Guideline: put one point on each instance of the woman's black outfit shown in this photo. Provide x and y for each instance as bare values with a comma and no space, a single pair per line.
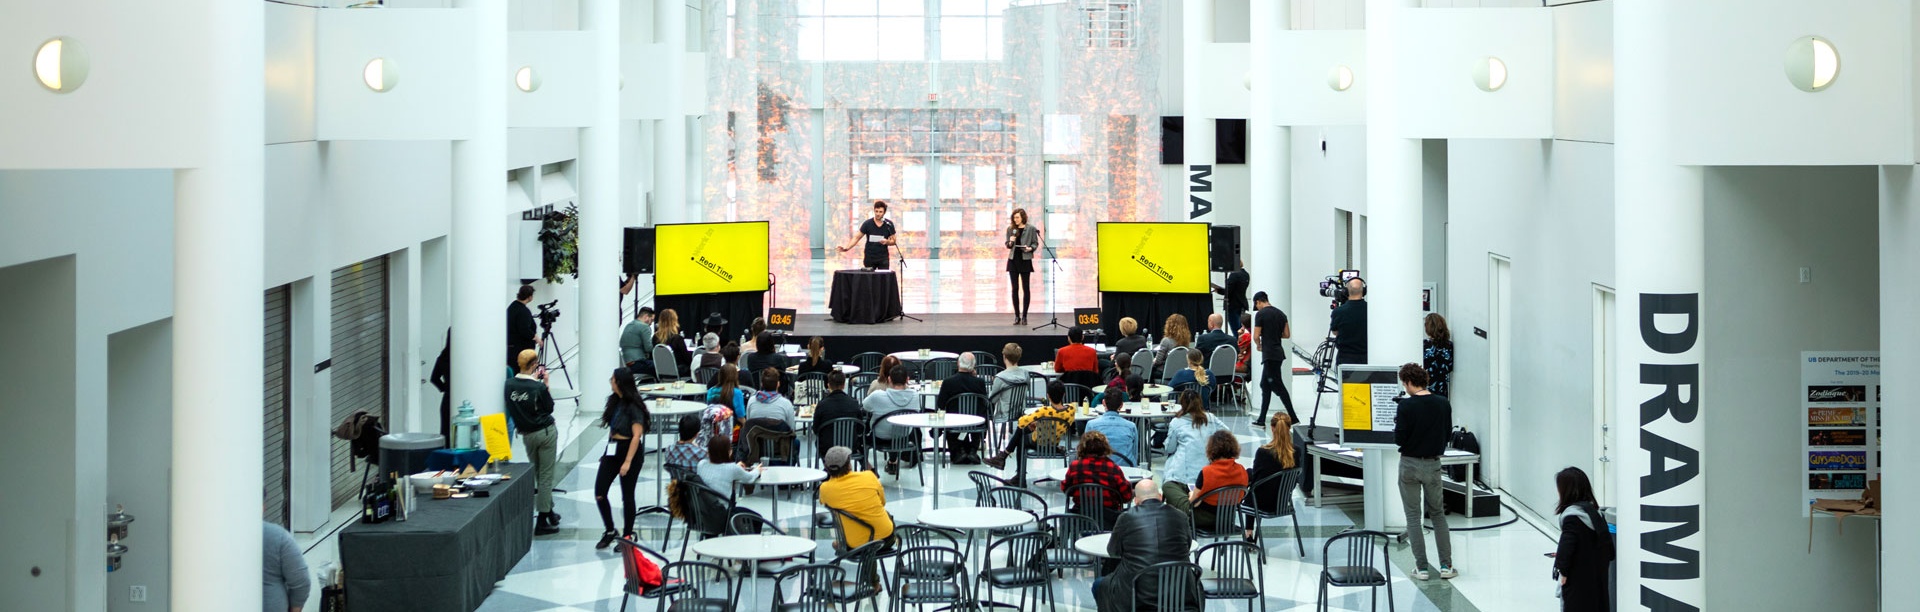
1266,495
1586,549
1130,344
822,366
442,379
1021,243
1437,358
620,425
681,356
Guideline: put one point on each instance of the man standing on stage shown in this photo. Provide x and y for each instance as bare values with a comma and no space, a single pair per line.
878,234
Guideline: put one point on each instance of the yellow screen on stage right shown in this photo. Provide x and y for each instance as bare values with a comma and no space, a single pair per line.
1153,257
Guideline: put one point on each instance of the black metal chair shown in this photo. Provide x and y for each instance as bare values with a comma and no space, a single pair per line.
861,384
983,482
665,369
1177,586
1357,565
971,404
1050,440
705,499
1090,500
844,431
814,586
909,444
1226,513
699,586
911,536
1025,569
940,369
1142,363
1282,506
867,362
1176,361
986,371
808,388
917,582
866,585
982,359
1017,499
1067,529
1227,380
631,566
1238,572
706,375
1077,393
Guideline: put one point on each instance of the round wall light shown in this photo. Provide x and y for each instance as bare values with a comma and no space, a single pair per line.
1490,74
525,79
60,65
1812,63
1340,78
381,75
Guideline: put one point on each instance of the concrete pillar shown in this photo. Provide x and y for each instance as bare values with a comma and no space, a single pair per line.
1197,139
478,240
219,247
670,141
1660,266
600,234
1394,211
1269,234
1899,355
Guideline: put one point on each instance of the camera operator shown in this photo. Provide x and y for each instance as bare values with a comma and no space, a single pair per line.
521,332
1348,324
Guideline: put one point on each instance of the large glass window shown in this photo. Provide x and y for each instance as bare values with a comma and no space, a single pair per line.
970,29
861,30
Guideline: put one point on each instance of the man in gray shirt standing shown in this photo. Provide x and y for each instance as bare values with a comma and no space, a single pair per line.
284,571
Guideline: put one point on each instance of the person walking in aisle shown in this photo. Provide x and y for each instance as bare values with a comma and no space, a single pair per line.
626,418
1022,241
1270,331
1586,546
530,406
1421,427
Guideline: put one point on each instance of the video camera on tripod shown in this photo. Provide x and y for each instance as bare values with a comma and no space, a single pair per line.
549,312
1335,286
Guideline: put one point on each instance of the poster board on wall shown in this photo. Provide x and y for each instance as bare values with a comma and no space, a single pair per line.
1369,399
1840,424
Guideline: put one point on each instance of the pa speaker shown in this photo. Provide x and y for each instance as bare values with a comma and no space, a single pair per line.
1223,247
637,251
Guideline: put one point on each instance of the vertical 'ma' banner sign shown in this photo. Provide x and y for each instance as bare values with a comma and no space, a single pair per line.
1670,488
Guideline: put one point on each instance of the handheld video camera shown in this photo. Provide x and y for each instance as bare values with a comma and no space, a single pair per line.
549,312
1335,286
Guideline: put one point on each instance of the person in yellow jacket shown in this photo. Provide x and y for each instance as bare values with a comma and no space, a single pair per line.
1056,394
858,494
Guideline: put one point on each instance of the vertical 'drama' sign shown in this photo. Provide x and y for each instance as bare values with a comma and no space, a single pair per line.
1664,472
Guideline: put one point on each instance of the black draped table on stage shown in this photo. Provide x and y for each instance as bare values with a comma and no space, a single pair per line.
862,296
447,554
1151,311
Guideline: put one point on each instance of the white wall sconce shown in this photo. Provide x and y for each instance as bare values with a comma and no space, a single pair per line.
525,79
60,65
1340,78
1490,74
1812,63
381,75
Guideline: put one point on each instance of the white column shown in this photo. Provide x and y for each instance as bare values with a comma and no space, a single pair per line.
599,205
219,244
1394,180
478,242
1660,266
1197,139
1899,352
670,141
1269,233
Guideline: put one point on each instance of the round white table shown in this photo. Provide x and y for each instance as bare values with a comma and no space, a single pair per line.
1133,474
1151,390
674,389
753,549
975,519
1096,545
780,475
847,369
927,420
931,355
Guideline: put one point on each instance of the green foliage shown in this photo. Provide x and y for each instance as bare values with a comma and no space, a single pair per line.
560,242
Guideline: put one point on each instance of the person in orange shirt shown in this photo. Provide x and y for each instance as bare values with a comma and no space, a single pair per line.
1076,357
1222,470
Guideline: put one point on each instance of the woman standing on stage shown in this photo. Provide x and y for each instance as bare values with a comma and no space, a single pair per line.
1022,241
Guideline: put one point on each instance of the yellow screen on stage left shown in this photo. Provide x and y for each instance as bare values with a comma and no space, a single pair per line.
1153,257
696,258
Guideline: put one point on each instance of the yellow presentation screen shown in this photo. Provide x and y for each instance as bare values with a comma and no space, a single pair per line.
710,258
1153,257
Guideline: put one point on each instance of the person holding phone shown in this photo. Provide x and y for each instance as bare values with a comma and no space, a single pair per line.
1022,241
530,406
878,234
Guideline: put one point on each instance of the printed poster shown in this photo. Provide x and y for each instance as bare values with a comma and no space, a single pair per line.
1840,416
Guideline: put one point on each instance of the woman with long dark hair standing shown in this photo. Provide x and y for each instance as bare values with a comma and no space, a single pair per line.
1586,548
1437,354
626,419
1022,241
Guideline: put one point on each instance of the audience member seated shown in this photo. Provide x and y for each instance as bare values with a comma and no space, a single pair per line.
836,405
857,493
1176,334
667,332
766,410
896,397
688,452
1131,339
1056,393
1244,344
1077,363
1095,466
1195,373
816,360
965,447
1011,375
730,352
1122,366
1215,337
1187,437
887,364
1224,470
708,356
1121,434
721,472
1284,450
726,391
766,355
1151,532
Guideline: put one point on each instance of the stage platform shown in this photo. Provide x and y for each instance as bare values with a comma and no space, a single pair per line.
940,331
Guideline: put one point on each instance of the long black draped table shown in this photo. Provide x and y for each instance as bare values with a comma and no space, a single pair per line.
863,296
447,555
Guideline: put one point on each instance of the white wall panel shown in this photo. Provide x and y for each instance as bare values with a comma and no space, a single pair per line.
431,99
1306,60
562,62
1732,103
139,105
290,65
641,87
1583,72
1437,56
1223,75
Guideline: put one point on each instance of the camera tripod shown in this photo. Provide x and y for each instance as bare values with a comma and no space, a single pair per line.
560,359
1322,361
1053,293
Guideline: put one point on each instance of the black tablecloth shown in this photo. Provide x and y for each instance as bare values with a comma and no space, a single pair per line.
446,556
739,308
1151,311
859,296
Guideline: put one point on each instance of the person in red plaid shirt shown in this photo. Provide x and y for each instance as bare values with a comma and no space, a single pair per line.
1095,467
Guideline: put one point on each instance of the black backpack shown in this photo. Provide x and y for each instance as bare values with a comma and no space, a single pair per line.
1461,440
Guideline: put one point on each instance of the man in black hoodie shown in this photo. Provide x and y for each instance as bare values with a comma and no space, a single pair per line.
530,407
836,405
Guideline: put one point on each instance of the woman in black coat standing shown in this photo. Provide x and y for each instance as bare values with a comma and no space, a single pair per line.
1586,547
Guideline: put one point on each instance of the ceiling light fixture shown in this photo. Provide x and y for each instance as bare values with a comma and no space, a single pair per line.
525,79
60,65
1490,74
1812,63
381,75
1340,78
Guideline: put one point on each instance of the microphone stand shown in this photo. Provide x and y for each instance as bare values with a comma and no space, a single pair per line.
900,281
1053,291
